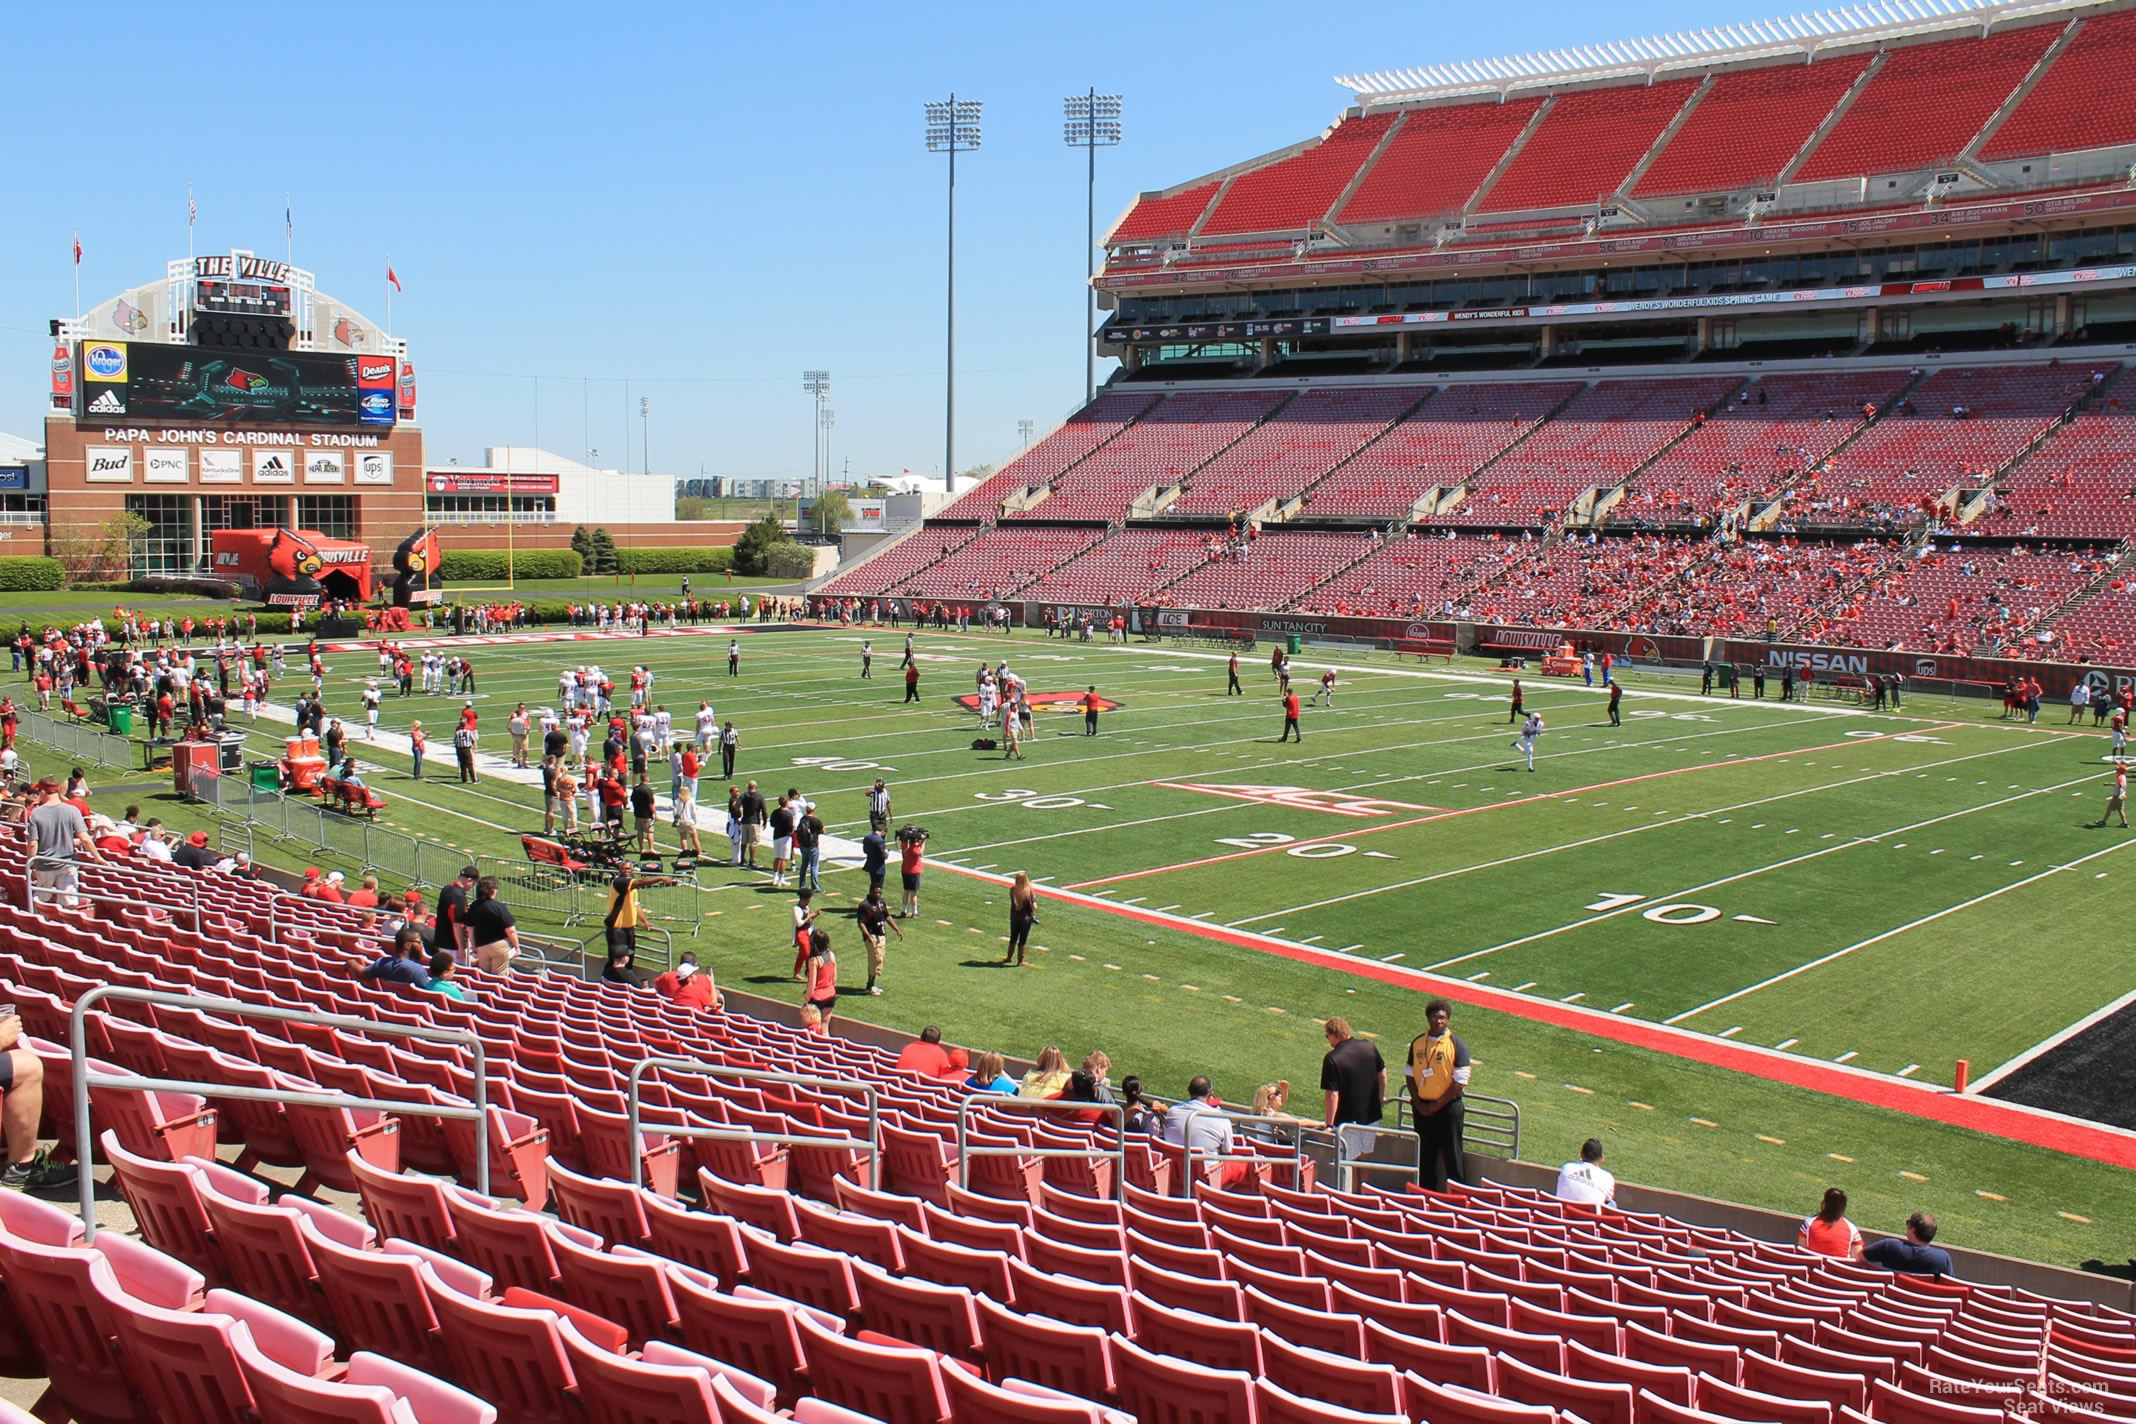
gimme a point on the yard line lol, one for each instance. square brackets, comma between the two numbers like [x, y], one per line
[1787, 1043]
[1849, 1056]
[2047, 1045]
[1607, 836]
[1909, 1070]
[1910, 925]
[1607, 915]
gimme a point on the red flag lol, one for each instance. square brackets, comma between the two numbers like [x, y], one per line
[391, 278]
[77, 249]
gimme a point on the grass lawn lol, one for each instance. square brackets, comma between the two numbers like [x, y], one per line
[1883, 891]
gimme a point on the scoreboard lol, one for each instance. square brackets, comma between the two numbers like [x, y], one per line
[236, 298]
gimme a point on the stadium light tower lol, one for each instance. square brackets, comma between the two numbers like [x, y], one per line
[1093, 122]
[952, 128]
[828, 420]
[817, 384]
[1023, 432]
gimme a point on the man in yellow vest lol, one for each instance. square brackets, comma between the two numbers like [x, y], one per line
[1438, 1074]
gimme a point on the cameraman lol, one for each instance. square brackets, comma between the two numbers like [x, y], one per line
[912, 850]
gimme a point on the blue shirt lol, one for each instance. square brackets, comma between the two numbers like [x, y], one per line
[1899, 1254]
[392, 969]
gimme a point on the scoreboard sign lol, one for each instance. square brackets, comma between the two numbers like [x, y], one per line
[199, 385]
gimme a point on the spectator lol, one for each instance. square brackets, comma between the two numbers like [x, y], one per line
[688, 986]
[441, 967]
[989, 1077]
[330, 889]
[492, 933]
[1829, 1233]
[404, 963]
[453, 901]
[1353, 1083]
[154, 845]
[1200, 1126]
[822, 976]
[22, 1081]
[192, 853]
[1143, 1116]
[1273, 1100]
[1912, 1254]
[59, 837]
[1098, 1064]
[1049, 1079]
[1438, 1075]
[925, 1055]
[365, 895]
[1584, 1181]
[1083, 1088]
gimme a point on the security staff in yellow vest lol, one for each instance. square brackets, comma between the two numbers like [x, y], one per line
[1438, 1074]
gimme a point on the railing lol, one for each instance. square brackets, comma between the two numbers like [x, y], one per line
[1295, 1126]
[1488, 1122]
[585, 946]
[85, 1078]
[978, 1104]
[633, 1105]
[79, 741]
[1353, 1145]
[55, 891]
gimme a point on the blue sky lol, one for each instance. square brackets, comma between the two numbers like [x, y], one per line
[699, 200]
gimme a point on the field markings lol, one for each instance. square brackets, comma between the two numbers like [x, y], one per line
[1354, 834]
[1849, 844]
[2047, 1045]
[1893, 933]
[1590, 840]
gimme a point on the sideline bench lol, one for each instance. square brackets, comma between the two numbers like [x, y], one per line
[554, 854]
[1421, 648]
[355, 800]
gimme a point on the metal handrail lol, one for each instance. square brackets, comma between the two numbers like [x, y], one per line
[1347, 1167]
[633, 1105]
[30, 888]
[1186, 1142]
[1500, 1116]
[85, 1078]
[585, 946]
[976, 1103]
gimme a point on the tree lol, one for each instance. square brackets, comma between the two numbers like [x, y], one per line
[976, 475]
[694, 506]
[830, 512]
[582, 545]
[99, 552]
[752, 551]
[604, 560]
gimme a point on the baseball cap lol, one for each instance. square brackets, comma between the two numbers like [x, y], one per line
[336, 878]
[468, 872]
[198, 838]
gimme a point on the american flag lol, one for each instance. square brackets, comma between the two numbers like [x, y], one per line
[192, 209]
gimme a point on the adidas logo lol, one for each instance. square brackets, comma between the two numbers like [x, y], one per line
[107, 404]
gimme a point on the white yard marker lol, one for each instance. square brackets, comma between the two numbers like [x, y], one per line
[1479, 978]
[1349, 949]
[1390, 958]
[1846, 1057]
[1573, 998]
[1787, 1043]
[1731, 1031]
[1909, 1070]
[1523, 988]
[1622, 1007]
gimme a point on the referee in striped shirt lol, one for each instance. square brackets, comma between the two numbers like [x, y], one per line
[879, 807]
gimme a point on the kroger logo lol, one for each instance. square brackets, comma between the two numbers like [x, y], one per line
[105, 360]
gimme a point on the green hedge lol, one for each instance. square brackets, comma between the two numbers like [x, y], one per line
[23, 573]
[487, 565]
[676, 561]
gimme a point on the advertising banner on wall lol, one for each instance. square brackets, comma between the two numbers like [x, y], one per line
[374, 468]
[275, 467]
[163, 467]
[108, 464]
[222, 467]
[325, 467]
[488, 482]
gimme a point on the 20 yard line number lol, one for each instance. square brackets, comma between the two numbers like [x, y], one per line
[1033, 801]
[1265, 840]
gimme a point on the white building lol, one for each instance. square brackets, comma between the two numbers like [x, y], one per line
[543, 487]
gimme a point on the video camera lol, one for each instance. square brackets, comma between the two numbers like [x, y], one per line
[909, 835]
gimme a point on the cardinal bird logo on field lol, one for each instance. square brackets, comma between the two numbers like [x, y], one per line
[1045, 702]
[293, 563]
[416, 561]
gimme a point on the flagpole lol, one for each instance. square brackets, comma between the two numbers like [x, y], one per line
[77, 273]
[389, 296]
[289, 233]
[191, 217]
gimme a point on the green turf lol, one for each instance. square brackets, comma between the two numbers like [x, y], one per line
[1825, 827]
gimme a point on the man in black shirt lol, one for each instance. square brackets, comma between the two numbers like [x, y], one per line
[643, 812]
[192, 852]
[783, 818]
[492, 932]
[875, 858]
[555, 743]
[874, 916]
[752, 824]
[808, 843]
[1353, 1077]
[452, 914]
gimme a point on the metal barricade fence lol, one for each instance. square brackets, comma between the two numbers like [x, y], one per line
[970, 1106]
[633, 1105]
[78, 741]
[85, 1078]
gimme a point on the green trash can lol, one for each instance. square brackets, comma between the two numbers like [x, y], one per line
[265, 777]
[1295, 644]
[121, 720]
[1724, 676]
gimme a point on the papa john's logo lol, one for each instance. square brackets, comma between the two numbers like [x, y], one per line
[1045, 702]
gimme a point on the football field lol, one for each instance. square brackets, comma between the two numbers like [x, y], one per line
[1802, 913]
